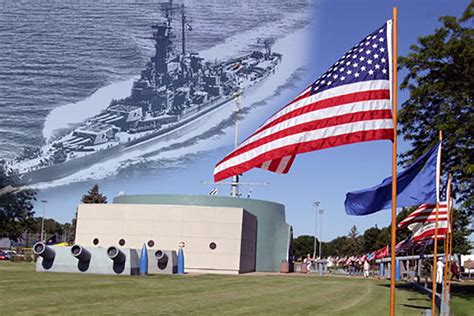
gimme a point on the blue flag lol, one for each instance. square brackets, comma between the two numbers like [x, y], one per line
[415, 185]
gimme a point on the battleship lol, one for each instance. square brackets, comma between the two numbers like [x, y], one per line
[176, 92]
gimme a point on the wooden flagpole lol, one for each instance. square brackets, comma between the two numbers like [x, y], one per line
[435, 251]
[447, 260]
[394, 159]
[450, 235]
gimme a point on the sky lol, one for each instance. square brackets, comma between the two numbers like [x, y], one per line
[324, 176]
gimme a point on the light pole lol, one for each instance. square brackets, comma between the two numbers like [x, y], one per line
[316, 207]
[321, 212]
[42, 219]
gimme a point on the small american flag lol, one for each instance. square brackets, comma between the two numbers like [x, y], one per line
[349, 103]
[426, 213]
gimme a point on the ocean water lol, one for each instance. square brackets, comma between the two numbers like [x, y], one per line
[62, 61]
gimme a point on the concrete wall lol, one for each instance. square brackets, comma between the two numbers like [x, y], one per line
[273, 233]
[166, 225]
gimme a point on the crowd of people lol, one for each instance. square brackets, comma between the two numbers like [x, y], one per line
[362, 266]
[350, 265]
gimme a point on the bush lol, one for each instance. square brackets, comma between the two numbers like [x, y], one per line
[23, 258]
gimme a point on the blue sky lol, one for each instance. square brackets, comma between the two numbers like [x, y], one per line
[324, 176]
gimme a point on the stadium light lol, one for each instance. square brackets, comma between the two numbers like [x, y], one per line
[316, 207]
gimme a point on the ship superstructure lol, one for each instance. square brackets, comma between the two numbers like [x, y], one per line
[174, 91]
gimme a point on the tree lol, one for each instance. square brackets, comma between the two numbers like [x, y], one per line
[93, 196]
[16, 208]
[353, 245]
[440, 80]
[371, 240]
[335, 247]
[461, 231]
[303, 245]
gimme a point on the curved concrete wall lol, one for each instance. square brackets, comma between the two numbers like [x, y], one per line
[273, 233]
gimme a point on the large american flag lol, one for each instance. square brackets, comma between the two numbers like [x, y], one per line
[349, 103]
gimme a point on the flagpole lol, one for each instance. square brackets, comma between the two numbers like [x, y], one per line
[451, 244]
[435, 251]
[450, 232]
[447, 260]
[394, 160]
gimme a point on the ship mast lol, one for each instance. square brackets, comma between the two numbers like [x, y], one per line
[183, 33]
[235, 184]
[235, 179]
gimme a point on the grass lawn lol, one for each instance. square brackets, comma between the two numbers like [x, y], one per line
[24, 291]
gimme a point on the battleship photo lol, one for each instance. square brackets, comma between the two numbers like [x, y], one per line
[176, 91]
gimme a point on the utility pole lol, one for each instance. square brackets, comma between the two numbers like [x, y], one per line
[316, 208]
[42, 219]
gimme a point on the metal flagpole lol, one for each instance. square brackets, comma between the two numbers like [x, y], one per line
[394, 161]
[435, 251]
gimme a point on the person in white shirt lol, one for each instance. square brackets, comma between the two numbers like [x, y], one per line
[366, 268]
[308, 261]
[330, 264]
[439, 271]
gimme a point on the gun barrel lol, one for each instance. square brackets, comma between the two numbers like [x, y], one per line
[80, 253]
[44, 251]
[115, 254]
[160, 255]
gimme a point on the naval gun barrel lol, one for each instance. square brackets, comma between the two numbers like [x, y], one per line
[116, 254]
[44, 251]
[162, 259]
[80, 253]
[161, 256]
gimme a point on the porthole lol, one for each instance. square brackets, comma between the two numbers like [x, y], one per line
[212, 245]
[95, 241]
[150, 243]
[122, 242]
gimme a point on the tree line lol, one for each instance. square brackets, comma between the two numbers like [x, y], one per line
[17, 217]
[375, 238]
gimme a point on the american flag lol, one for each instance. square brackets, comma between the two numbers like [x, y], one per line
[381, 253]
[426, 213]
[427, 231]
[349, 103]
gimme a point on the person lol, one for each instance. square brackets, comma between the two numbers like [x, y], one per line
[352, 267]
[366, 268]
[455, 271]
[308, 261]
[439, 271]
[330, 264]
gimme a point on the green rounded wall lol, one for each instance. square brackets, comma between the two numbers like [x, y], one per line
[273, 233]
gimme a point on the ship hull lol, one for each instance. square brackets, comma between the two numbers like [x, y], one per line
[184, 127]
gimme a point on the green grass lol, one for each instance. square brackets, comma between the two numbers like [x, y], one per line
[24, 291]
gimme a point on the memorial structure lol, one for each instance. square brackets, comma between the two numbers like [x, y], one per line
[220, 234]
